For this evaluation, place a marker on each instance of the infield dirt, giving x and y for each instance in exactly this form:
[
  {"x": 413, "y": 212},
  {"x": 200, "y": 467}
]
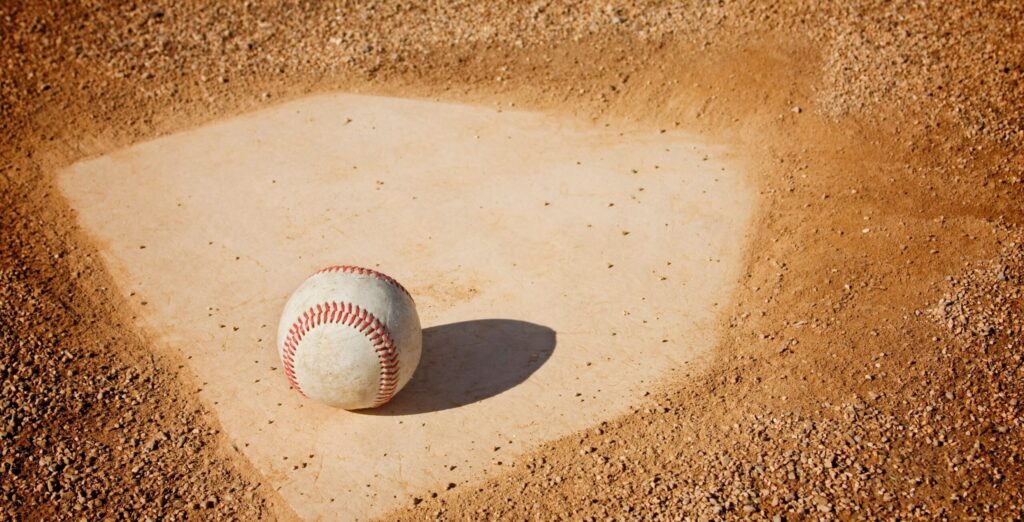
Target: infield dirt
[{"x": 868, "y": 363}]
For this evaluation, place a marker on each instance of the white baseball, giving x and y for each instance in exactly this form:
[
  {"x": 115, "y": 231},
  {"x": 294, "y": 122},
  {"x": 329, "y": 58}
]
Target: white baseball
[{"x": 349, "y": 337}]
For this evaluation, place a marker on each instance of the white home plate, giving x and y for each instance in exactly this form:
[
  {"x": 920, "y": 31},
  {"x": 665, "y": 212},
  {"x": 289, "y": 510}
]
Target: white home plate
[{"x": 559, "y": 269}]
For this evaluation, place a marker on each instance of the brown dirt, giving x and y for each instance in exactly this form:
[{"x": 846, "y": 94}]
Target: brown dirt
[{"x": 871, "y": 364}]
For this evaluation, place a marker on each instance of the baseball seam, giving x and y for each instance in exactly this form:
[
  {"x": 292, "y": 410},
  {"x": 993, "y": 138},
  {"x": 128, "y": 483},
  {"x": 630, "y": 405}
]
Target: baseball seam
[
  {"x": 347, "y": 314},
  {"x": 358, "y": 270}
]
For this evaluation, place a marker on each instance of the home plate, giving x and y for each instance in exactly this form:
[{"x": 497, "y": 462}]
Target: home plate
[{"x": 560, "y": 270}]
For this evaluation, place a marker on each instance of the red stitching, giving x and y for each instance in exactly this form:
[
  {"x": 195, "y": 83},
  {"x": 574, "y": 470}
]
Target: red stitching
[
  {"x": 358, "y": 270},
  {"x": 347, "y": 314}
]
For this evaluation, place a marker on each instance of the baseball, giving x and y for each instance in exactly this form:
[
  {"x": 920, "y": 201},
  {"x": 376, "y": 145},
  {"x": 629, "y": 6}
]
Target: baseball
[{"x": 349, "y": 337}]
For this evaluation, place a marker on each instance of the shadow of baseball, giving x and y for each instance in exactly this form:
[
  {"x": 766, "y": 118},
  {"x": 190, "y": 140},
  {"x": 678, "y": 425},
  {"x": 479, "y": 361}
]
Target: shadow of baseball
[{"x": 466, "y": 362}]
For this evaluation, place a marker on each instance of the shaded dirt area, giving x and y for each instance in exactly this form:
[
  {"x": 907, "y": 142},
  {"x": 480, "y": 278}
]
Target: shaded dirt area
[{"x": 871, "y": 364}]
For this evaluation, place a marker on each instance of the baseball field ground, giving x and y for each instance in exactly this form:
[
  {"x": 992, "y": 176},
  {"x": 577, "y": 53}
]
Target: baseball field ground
[{"x": 672, "y": 260}]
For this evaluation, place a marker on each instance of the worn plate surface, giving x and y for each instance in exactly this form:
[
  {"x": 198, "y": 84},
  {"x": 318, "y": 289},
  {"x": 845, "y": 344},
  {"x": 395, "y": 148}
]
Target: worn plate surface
[{"x": 559, "y": 269}]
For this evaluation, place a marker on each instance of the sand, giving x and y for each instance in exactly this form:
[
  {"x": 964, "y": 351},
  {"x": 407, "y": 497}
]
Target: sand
[{"x": 867, "y": 364}]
